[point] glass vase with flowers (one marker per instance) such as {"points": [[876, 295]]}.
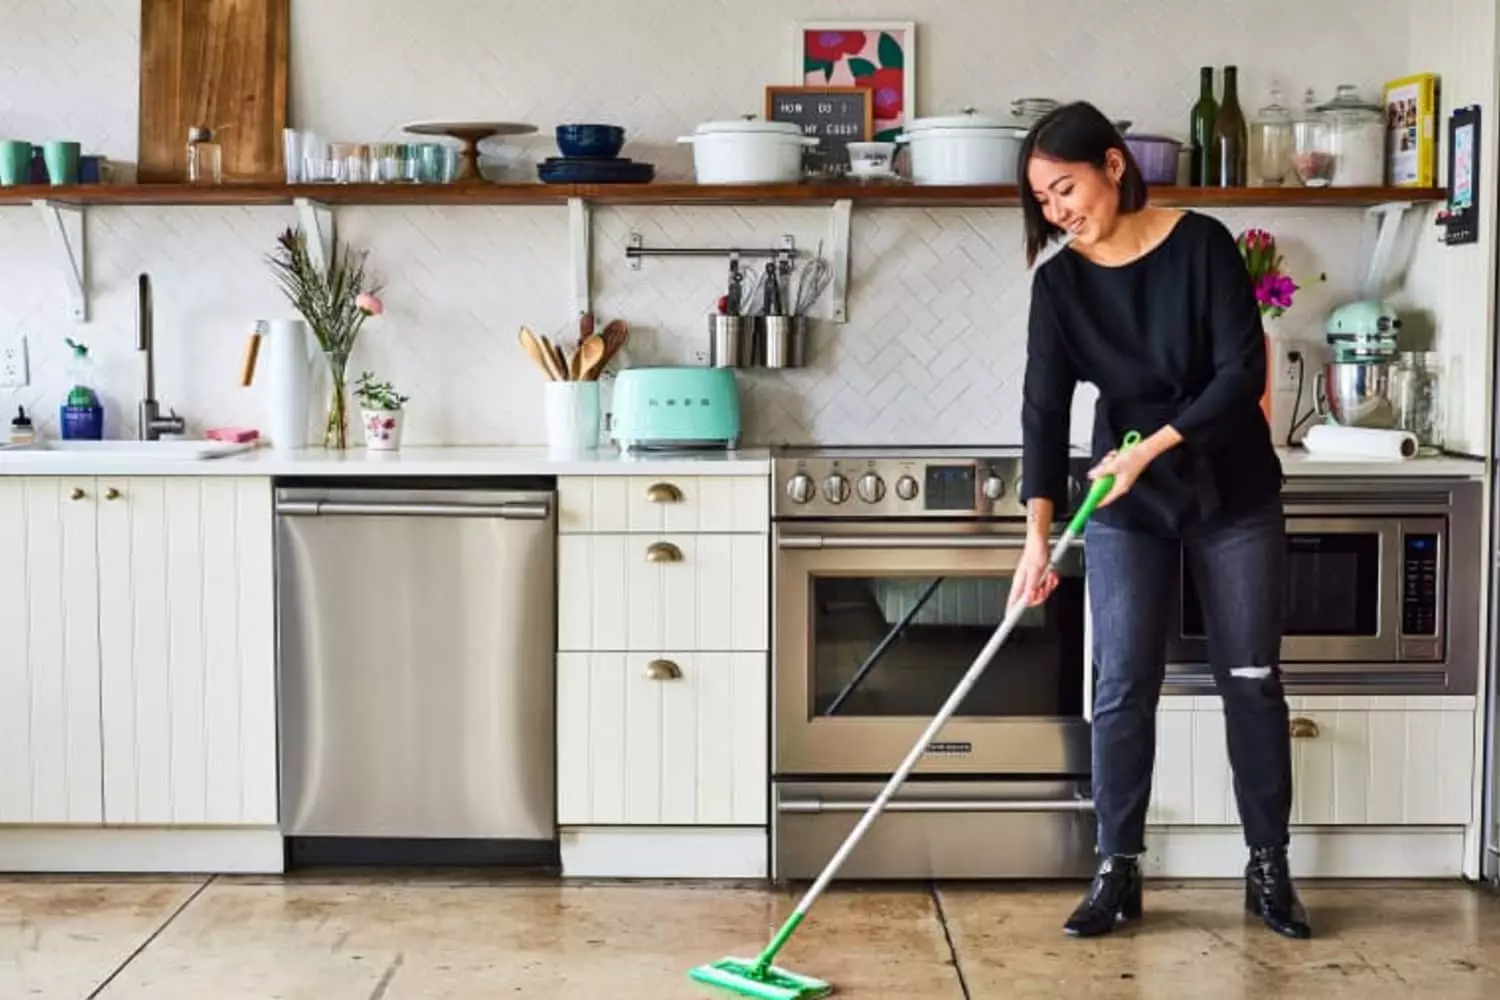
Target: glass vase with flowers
{"points": [[1274, 290], [335, 301]]}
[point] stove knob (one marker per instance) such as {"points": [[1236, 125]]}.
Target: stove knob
{"points": [[994, 488], [836, 489], [906, 488], [871, 488], [801, 488]]}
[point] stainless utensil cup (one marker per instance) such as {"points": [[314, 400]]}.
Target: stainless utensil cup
{"points": [[730, 344], [1357, 394], [785, 340]]}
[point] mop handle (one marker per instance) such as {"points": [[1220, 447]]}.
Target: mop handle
{"points": [[1075, 527]]}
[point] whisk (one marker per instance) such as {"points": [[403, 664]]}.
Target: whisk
{"points": [[812, 282]]}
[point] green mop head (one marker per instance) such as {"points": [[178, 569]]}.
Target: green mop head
{"points": [[743, 976]]}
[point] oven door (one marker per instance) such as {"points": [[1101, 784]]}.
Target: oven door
{"points": [[873, 630]]}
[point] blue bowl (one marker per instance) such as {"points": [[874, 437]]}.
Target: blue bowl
{"points": [[590, 141]]}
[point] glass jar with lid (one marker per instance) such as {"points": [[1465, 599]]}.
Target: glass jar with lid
{"points": [[1356, 137], [1271, 141], [1417, 398], [1312, 157]]}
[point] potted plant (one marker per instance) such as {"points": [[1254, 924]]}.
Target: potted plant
{"points": [[335, 301], [1274, 291], [381, 409]]}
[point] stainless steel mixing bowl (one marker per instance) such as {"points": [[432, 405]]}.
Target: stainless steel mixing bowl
{"points": [[1357, 394]]}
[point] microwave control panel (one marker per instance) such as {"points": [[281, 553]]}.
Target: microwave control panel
{"points": [[1419, 585]]}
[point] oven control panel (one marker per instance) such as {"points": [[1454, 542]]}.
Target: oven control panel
{"points": [[818, 485]]}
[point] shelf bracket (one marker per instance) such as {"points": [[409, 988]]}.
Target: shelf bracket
{"points": [[1387, 218], [65, 223], [316, 219], [838, 241], [580, 230]]}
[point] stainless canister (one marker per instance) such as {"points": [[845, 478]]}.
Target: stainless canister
{"points": [[730, 344], [785, 341]]}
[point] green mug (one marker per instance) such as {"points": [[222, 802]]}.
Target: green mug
{"points": [[62, 161], [15, 162]]}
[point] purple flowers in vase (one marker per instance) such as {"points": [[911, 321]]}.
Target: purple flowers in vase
{"points": [[1274, 288]]}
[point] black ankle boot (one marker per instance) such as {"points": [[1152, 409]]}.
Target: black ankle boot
{"points": [[1115, 895], [1270, 896]]}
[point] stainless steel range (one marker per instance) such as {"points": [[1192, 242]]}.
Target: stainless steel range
{"points": [[892, 569]]}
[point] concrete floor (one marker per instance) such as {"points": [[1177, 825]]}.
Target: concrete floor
{"points": [[409, 937]]}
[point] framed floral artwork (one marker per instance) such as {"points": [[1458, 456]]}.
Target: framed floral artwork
{"points": [[880, 55]]}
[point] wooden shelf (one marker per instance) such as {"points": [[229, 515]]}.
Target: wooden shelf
{"points": [[873, 195]]}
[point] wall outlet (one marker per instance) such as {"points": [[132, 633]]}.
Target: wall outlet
{"points": [[14, 373]]}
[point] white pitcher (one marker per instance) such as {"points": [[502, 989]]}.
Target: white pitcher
{"points": [[290, 360]]}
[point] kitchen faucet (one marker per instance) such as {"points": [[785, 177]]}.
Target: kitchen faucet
{"points": [[152, 424]]}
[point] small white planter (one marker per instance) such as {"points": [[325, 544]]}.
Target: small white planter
{"points": [[383, 428], [748, 152]]}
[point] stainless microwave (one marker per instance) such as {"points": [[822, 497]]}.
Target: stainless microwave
{"points": [[1381, 593]]}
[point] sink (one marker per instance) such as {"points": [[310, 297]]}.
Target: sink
{"points": [[179, 450]]}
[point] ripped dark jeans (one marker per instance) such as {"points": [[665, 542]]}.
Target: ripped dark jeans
{"points": [[1132, 581]]}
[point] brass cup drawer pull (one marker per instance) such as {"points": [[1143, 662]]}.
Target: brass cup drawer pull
{"points": [[76, 494], [663, 670], [111, 494], [1304, 729], [663, 493], [663, 552]]}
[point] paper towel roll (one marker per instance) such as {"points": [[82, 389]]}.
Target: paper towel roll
{"points": [[1359, 442]]}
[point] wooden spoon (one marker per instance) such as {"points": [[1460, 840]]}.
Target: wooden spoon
{"points": [[592, 357], [539, 354], [615, 335], [559, 360]]}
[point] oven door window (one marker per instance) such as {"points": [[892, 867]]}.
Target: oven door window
{"points": [[889, 646], [1332, 587]]}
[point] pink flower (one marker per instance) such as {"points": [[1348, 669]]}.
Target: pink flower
{"points": [[369, 304]]}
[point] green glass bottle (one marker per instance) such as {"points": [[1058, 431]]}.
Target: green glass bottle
{"points": [[1201, 128], [1231, 138]]}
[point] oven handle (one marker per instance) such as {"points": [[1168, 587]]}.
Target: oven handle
{"points": [[904, 542], [940, 805]]}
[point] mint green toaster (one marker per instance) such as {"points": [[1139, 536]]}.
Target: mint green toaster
{"points": [[675, 408]]}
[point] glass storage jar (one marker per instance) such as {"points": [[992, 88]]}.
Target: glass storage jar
{"points": [[1356, 136], [1271, 141], [1312, 156], [1416, 395]]}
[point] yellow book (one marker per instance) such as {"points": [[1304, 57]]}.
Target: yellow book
{"points": [[1411, 107]]}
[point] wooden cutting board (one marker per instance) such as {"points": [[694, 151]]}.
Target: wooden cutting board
{"points": [[217, 63]]}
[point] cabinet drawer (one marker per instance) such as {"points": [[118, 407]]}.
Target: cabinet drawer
{"points": [[646, 592], [662, 738], [654, 504], [1355, 762]]}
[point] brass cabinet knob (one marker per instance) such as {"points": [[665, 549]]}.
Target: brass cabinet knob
{"points": [[76, 494], [663, 670], [1304, 729], [663, 552], [663, 493], [111, 494]]}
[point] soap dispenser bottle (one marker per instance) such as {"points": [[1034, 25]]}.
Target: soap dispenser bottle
{"points": [[81, 416], [21, 430]]}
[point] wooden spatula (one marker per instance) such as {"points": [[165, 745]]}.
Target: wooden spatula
{"points": [[539, 354]]}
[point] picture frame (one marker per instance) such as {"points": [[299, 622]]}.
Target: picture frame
{"points": [[880, 55]]}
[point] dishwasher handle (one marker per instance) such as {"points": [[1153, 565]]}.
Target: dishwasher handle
{"points": [[528, 510]]}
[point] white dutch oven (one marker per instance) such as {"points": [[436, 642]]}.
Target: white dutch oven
{"points": [[750, 151], [963, 149]]}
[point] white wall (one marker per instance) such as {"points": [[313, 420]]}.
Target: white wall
{"points": [[932, 352]]}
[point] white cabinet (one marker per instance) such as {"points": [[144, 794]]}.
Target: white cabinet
{"points": [[137, 681], [672, 738], [1386, 762], [663, 683]]}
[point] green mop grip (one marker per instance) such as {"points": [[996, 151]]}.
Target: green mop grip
{"points": [[1098, 491]]}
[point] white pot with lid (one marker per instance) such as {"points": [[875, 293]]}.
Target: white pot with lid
{"points": [[748, 151], [967, 148]]}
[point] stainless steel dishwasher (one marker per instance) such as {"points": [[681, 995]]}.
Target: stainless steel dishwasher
{"points": [[416, 629]]}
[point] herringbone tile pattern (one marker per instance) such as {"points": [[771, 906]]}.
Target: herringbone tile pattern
{"points": [[934, 347]]}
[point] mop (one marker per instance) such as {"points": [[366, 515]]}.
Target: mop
{"points": [[758, 977]]}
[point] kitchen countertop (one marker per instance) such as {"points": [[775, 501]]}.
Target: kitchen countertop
{"points": [[1297, 462], [411, 461], [537, 461]]}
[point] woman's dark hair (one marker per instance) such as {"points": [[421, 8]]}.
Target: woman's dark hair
{"points": [[1072, 133]]}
